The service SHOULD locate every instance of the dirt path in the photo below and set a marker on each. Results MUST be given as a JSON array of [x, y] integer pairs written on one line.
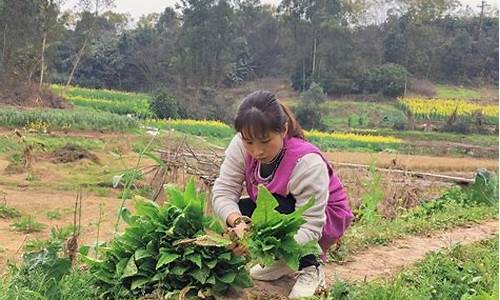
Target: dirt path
[[415, 162], [37, 204], [379, 261]]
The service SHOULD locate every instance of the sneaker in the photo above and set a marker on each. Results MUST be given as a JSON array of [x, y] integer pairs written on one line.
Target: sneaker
[[309, 280], [272, 272]]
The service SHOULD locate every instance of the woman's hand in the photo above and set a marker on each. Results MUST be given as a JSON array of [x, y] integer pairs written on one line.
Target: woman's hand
[[240, 226], [241, 229], [239, 232]]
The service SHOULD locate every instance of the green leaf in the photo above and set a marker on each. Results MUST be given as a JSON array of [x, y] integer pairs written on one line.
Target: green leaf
[[130, 269], [141, 253], [228, 277], [190, 191], [211, 263], [139, 282], [120, 267], [292, 260], [243, 280], [126, 216], [211, 279], [201, 275], [196, 259], [84, 250], [175, 197], [266, 205], [300, 211], [225, 256], [166, 258], [146, 208], [213, 224], [179, 270]]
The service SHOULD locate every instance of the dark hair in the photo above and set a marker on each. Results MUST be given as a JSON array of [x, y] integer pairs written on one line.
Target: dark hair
[[260, 112]]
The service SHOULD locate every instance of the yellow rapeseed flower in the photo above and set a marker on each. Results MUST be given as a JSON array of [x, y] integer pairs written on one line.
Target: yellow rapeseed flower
[[354, 137], [445, 107]]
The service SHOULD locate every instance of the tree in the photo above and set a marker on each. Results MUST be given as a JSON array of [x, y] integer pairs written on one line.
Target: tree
[[87, 22]]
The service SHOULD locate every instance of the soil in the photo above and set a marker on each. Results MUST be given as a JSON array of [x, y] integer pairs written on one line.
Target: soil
[[415, 162], [71, 153], [31, 96], [38, 203]]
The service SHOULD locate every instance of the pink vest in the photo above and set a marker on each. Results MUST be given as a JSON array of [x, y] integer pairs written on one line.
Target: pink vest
[[338, 214]]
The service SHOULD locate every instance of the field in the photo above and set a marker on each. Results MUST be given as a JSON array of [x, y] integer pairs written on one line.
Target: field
[[426, 222]]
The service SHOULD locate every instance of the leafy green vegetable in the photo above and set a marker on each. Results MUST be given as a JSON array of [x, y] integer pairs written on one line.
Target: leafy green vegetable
[[272, 233], [173, 248]]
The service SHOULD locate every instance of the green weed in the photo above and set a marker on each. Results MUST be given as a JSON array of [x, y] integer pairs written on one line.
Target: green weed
[[27, 224], [7, 212]]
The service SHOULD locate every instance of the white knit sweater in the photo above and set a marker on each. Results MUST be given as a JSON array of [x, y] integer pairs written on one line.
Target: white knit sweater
[[309, 178]]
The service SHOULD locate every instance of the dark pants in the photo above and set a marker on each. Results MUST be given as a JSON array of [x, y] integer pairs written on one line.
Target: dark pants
[[286, 206]]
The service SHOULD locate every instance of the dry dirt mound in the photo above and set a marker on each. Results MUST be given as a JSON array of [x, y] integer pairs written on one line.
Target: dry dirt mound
[[31, 96], [71, 153]]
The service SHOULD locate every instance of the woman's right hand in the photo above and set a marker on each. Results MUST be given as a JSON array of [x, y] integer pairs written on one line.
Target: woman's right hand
[[239, 231]]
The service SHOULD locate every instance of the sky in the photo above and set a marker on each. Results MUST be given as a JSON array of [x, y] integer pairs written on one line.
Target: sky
[[136, 8]]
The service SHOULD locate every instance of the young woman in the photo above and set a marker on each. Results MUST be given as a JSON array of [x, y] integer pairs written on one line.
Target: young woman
[[270, 149]]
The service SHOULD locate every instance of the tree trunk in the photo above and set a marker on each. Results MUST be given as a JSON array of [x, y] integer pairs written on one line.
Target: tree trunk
[[314, 53], [428, 73], [80, 54], [4, 43], [303, 74], [42, 59]]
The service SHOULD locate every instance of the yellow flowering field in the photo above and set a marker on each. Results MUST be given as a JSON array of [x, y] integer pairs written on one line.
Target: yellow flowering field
[[353, 137], [442, 109], [324, 140]]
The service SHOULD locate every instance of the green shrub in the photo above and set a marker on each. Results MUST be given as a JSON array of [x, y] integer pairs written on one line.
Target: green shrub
[[165, 106], [309, 112], [340, 86], [388, 79]]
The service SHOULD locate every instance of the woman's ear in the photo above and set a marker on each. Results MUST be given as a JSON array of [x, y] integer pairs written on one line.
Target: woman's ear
[[285, 132]]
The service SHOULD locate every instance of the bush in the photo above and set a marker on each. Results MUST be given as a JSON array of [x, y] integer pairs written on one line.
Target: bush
[[339, 86], [165, 106], [309, 116], [388, 79], [313, 95], [309, 112]]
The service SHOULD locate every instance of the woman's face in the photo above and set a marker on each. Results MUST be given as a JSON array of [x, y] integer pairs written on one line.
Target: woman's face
[[266, 148]]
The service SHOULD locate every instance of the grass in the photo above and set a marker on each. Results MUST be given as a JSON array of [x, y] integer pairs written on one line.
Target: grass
[[75, 119], [54, 214], [462, 272], [362, 236], [453, 92], [7, 212], [27, 224], [9, 143], [456, 207], [473, 139], [342, 115]]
